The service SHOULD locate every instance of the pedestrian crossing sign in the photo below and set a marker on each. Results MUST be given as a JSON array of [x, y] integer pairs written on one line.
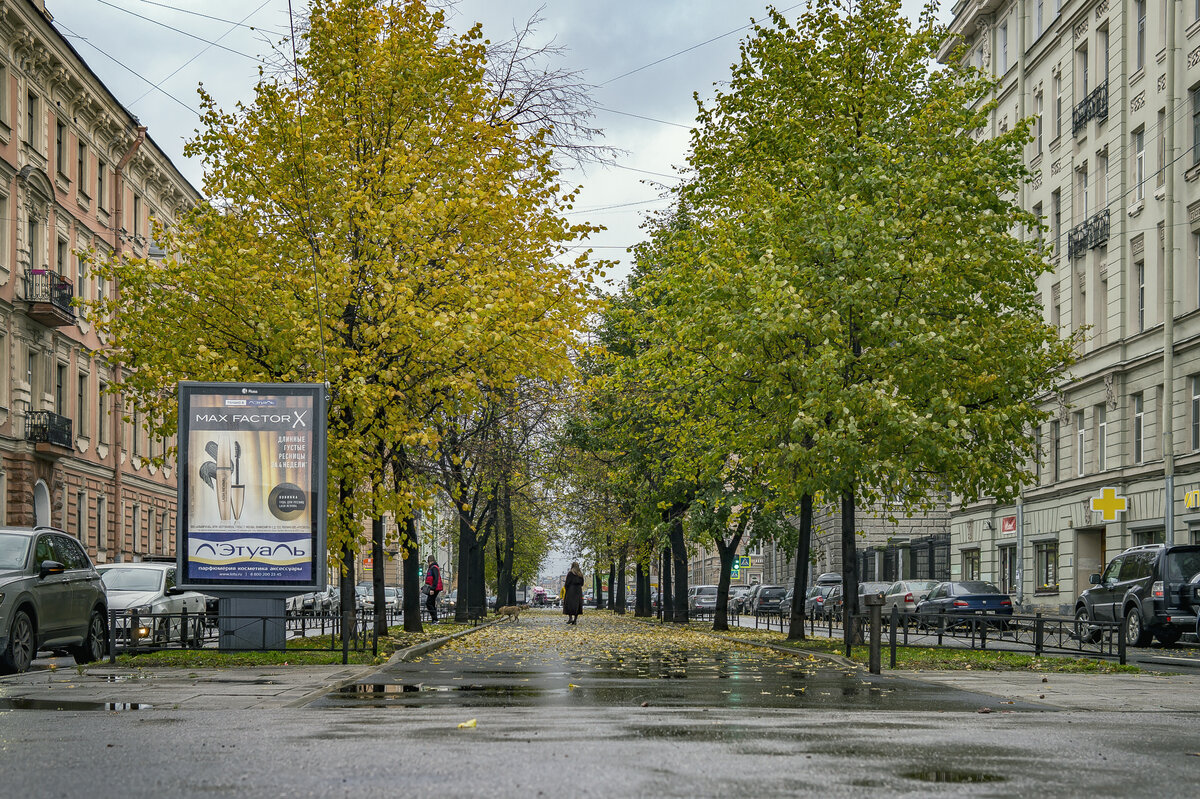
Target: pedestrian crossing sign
[[744, 561]]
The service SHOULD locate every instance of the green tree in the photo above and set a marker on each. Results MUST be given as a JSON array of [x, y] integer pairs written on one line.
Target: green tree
[[868, 321]]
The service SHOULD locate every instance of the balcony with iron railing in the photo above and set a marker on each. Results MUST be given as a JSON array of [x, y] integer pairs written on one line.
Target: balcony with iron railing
[[49, 296], [1088, 234], [1094, 106], [49, 433]]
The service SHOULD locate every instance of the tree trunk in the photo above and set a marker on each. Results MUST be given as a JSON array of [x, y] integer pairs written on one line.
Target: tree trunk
[[598, 590], [510, 545], [619, 605], [800, 582], [612, 585], [377, 575], [478, 593], [346, 589], [665, 602], [849, 568], [412, 577], [639, 598], [679, 553], [727, 552], [466, 542]]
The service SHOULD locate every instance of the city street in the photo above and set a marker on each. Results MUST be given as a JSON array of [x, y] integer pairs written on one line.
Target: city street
[[612, 707]]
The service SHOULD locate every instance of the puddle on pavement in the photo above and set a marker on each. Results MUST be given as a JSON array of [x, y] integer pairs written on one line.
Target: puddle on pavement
[[946, 776], [47, 704]]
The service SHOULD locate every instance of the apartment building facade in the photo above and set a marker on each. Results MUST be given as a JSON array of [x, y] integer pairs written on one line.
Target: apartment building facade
[[77, 173], [1113, 88]]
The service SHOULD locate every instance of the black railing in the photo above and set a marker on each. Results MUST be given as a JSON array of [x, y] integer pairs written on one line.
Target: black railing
[[44, 427], [1094, 106], [42, 285], [1088, 234]]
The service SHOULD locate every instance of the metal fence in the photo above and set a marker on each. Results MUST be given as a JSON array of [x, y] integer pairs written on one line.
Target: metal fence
[[1036, 634]]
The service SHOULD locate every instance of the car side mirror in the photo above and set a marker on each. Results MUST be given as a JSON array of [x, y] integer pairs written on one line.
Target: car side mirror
[[1094, 579], [173, 591], [50, 567]]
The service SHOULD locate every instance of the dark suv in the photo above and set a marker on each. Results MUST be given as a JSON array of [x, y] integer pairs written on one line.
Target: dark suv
[[1147, 588]]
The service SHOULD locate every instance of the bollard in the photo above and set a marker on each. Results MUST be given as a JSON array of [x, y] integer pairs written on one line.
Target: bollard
[[892, 634], [874, 604], [1038, 632], [941, 624], [1121, 643], [183, 628], [112, 636]]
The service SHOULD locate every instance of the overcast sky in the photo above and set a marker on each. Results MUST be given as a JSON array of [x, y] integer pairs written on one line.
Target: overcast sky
[[645, 57]]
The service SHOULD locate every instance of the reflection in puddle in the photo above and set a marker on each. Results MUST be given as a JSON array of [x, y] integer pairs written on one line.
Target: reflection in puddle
[[47, 704], [942, 775]]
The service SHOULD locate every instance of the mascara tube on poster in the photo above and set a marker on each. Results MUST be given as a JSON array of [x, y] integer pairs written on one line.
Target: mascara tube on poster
[[224, 479], [237, 491]]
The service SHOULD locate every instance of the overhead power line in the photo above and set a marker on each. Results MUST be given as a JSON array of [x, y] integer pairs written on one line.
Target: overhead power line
[[179, 31]]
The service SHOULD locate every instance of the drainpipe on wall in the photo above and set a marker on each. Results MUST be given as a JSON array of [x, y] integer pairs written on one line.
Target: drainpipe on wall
[[1168, 413], [119, 399]]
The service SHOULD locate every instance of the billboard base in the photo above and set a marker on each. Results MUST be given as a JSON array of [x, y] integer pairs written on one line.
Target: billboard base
[[252, 622]]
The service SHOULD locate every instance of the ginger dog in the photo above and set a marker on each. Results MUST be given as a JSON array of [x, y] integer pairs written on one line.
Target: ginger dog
[[512, 610]]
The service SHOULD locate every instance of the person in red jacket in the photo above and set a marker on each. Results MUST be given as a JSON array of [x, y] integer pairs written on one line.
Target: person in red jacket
[[433, 587]]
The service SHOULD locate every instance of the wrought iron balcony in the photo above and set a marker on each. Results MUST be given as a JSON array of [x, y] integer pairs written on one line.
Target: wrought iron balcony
[[1094, 106], [49, 296], [49, 431], [1088, 234]]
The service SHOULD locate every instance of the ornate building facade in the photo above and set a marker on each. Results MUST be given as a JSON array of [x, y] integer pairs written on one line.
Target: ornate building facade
[[1113, 89], [77, 173]]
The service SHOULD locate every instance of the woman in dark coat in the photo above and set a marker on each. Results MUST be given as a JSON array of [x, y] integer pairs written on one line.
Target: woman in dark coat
[[573, 594]]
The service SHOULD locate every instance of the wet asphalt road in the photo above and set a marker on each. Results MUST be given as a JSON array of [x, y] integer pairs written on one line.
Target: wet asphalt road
[[609, 709]]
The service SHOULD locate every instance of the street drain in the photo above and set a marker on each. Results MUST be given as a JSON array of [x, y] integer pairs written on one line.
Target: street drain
[[46, 704], [943, 775]]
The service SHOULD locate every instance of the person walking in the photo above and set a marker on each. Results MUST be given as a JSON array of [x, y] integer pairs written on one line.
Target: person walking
[[573, 594], [432, 587]]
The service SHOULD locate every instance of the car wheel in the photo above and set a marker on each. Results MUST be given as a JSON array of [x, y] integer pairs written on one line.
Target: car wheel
[[18, 654], [1136, 633], [1083, 627], [92, 648], [1169, 636], [162, 631]]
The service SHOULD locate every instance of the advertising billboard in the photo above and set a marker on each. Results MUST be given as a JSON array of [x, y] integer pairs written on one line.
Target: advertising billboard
[[251, 486]]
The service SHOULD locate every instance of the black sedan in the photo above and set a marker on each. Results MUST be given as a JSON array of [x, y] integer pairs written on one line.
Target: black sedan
[[957, 599]]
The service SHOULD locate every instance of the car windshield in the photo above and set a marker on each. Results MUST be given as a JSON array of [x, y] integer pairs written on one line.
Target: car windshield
[[771, 593], [119, 579], [391, 592], [975, 588], [1182, 564], [14, 549]]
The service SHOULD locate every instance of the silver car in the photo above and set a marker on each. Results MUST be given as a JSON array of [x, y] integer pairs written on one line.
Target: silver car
[[905, 594], [148, 591], [50, 598]]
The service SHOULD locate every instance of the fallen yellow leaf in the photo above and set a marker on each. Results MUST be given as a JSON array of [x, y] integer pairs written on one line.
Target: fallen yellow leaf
[[469, 725]]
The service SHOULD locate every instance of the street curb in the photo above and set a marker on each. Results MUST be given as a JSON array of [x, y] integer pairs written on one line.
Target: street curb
[[838, 659], [398, 656]]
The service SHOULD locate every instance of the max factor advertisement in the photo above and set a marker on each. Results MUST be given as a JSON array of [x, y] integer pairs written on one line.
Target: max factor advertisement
[[253, 461]]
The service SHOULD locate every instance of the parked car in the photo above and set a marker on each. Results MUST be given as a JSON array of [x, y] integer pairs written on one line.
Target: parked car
[[959, 598], [394, 598], [834, 600], [829, 578], [51, 598], [814, 602], [768, 599], [1147, 588], [366, 597], [905, 594], [703, 599], [737, 599], [149, 589]]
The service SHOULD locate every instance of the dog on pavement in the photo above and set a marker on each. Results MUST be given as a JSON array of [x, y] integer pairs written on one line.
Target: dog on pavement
[[512, 610]]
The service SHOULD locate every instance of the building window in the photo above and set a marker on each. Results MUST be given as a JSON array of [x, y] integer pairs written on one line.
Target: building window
[[1196, 412], [102, 416], [81, 404], [1082, 179], [101, 200], [1004, 47], [137, 527], [1081, 69], [31, 115], [1056, 450], [60, 141], [1139, 163], [1101, 437], [1196, 124], [1058, 106], [137, 215], [1038, 18], [1056, 216], [1038, 126], [1037, 454], [1080, 434], [1139, 50], [1008, 568], [1103, 35], [1139, 420], [81, 529], [60, 389], [1045, 564], [81, 167], [1139, 276], [1102, 180], [1160, 175], [1041, 220], [4, 95], [101, 522], [60, 258], [136, 434], [970, 564]]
